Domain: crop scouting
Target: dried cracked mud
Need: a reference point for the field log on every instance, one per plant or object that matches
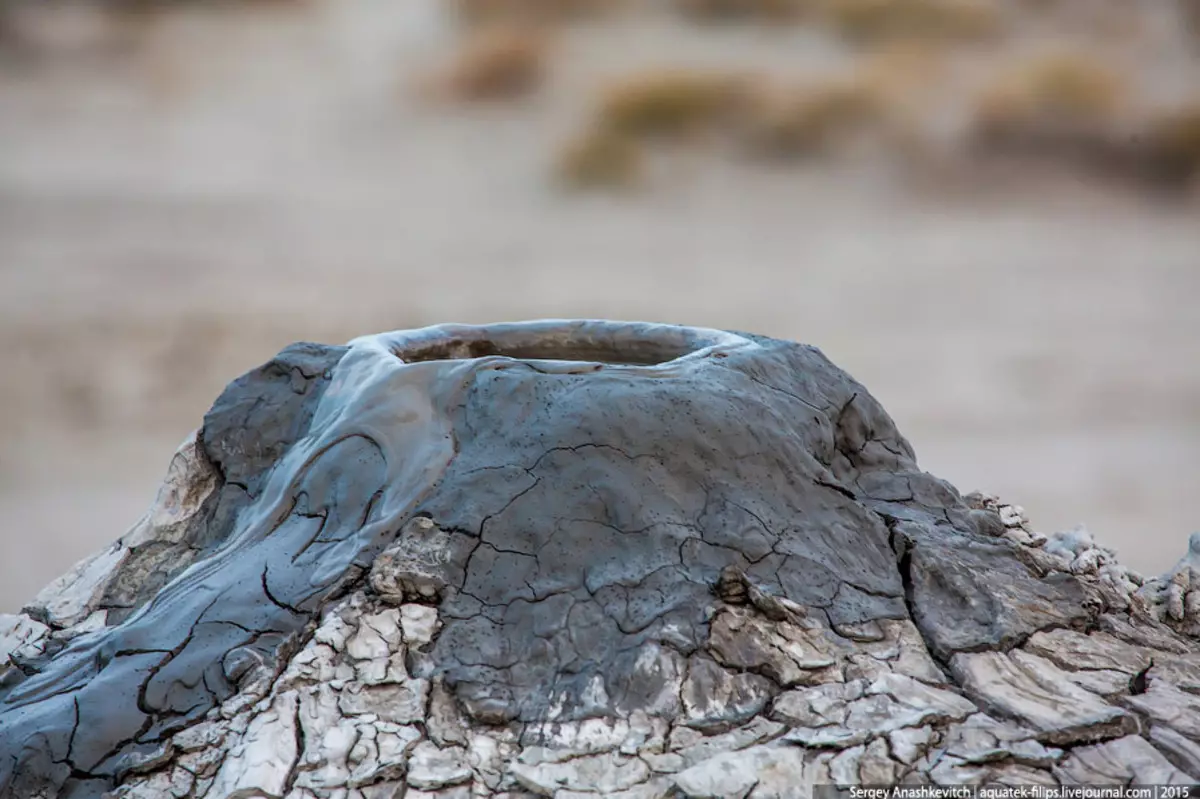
(584, 558)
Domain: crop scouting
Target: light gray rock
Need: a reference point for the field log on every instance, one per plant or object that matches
(1070, 649)
(1168, 705)
(582, 559)
(829, 718)
(1035, 691)
(1191, 559)
(970, 593)
(604, 774)
(420, 625)
(769, 772)
(21, 638)
(430, 766)
(714, 697)
(1182, 751)
(1104, 683)
(782, 651)
(1124, 761)
(692, 747)
(907, 744)
(981, 739)
(1070, 544)
(819, 706)
(263, 758)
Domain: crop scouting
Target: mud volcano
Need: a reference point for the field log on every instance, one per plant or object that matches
(572, 558)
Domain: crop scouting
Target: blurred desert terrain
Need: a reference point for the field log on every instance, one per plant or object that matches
(186, 189)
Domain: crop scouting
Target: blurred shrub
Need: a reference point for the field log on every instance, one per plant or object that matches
(1076, 107)
(1077, 110)
(668, 102)
(723, 10)
(499, 62)
(1066, 97)
(1170, 147)
(811, 118)
(656, 104)
(884, 96)
(875, 20)
(474, 12)
(600, 158)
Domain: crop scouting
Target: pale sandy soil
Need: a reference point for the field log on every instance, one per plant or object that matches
(172, 216)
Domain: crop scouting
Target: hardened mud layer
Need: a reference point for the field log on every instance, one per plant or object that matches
(583, 558)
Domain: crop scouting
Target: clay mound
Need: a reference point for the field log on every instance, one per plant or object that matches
(585, 556)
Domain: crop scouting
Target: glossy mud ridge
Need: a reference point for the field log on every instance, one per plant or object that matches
(584, 558)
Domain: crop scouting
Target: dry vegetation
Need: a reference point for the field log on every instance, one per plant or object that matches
(600, 158)
(1171, 146)
(777, 11)
(498, 62)
(862, 21)
(812, 117)
(477, 12)
(768, 116)
(1066, 104)
(651, 106)
(1063, 87)
(1074, 107)
(669, 103)
(1079, 109)
(871, 21)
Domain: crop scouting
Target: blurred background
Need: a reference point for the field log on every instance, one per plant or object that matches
(985, 210)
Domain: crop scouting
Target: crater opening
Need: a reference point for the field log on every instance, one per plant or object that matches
(457, 349)
(592, 342)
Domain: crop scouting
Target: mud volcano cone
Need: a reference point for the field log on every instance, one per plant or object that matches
(572, 558)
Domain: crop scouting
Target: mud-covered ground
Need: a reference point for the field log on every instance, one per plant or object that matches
(182, 195)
